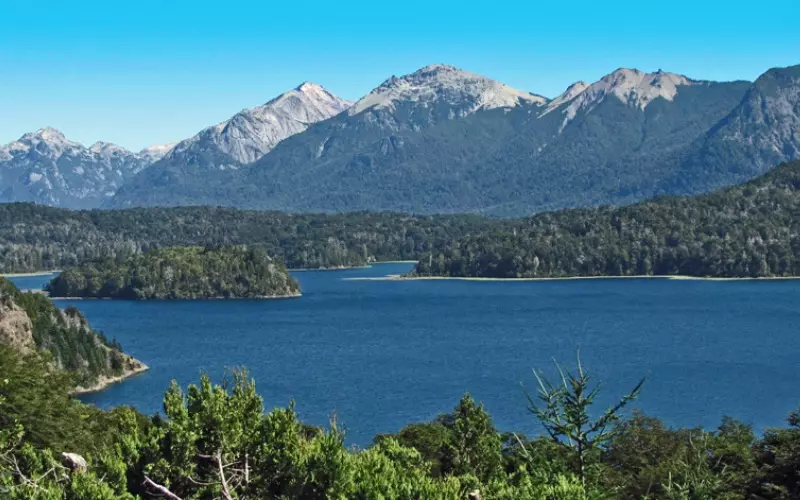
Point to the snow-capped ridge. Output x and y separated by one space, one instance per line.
448 84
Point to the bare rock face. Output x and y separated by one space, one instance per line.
45 167
765 128
66 326
252 133
631 86
16 329
74 462
219 151
443 85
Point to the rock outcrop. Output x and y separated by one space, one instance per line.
30 322
16 329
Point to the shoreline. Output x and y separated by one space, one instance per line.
345 268
398 277
106 382
258 297
29 275
333 268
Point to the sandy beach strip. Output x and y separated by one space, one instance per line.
29 275
398 277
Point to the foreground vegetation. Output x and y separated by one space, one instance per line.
215 441
750 230
179 273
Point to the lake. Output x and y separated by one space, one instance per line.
382 354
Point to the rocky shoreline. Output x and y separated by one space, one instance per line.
104 382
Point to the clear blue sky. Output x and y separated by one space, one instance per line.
143 72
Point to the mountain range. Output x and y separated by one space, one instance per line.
46 167
441 140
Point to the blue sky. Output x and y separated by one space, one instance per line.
144 72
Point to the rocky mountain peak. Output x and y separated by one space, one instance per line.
639 88
47 141
571 93
47 134
252 133
631 86
438 68
46 167
155 153
307 103
311 88
764 128
443 84
107 149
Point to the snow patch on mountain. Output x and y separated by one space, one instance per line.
447 84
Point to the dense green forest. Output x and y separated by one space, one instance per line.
70 343
36 238
216 441
752 230
745 231
179 273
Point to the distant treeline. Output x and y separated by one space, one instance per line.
35 238
750 230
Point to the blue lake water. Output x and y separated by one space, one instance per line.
382 354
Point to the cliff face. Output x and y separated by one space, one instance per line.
16 329
30 322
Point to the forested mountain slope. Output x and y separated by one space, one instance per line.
748 230
443 140
752 230
763 131
439 140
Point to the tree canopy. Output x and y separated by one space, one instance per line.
179 273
